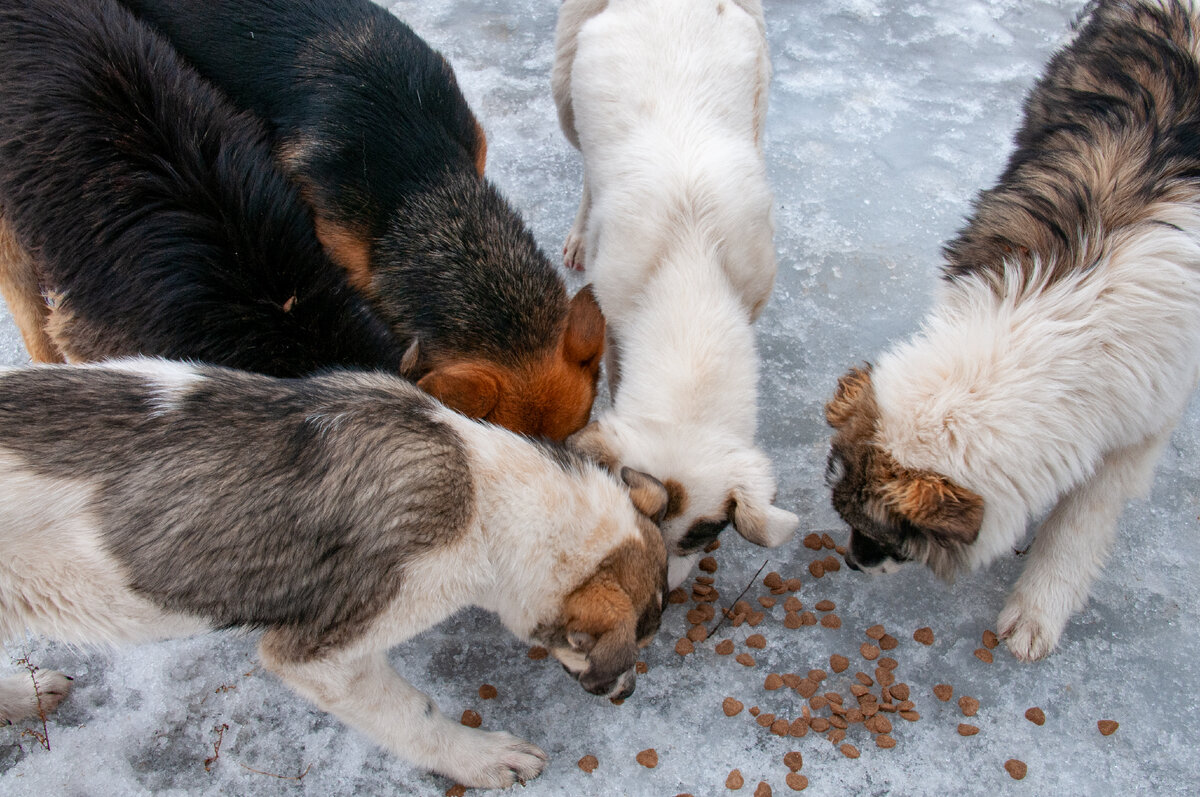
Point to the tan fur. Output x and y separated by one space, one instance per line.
20 285
349 248
481 150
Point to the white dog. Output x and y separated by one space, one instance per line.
1065 343
666 100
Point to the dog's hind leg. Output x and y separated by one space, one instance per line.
32 694
364 691
19 283
575 250
1070 550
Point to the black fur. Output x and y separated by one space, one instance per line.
370 120
155 208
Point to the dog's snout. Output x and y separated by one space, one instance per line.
851 562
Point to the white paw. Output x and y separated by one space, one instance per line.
497 760
19 698
574 256
1030 632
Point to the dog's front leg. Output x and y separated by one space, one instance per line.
363 691
575 249
1070 549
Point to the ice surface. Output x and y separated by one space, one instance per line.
886 118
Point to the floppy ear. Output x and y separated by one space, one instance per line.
851 390
951 514
593 444
471 388
583 340
597 607
648 494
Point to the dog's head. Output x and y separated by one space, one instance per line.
705 494
549 395
618 608
896 514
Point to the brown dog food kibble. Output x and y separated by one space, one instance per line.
780 727
754 711
885 741
888 642
1107 727
817 675
819 724
899 691
806 688
884 677
816 569
969 705
864 679
457 790
698 615
697 633
825 606
648 758
831 621
767 602
724 647
684 646
849 750
828 542
799 727
869 651
705 580
773 682
796 781
754 618
808 618
967 730
924 635
876 632
772 580
712 546
471 719
537 653
735 780
765 720
1016 768
677 595
589 763
708 564
791 680
762 789
793 761
1036 716
487 692
888 663
984 655
836 736
745 659
838 663
792 620
756 641
990 640
793 585
642 668
792 604
944 692
813 542
732 707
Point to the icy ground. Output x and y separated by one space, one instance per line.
886 117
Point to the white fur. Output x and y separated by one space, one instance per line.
1057 397
666 101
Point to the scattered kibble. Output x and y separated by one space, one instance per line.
745 659
990 640
684 647
735 780
869 651
773 682
944 692
762 790
831 621
792 604
838 663
849 750
924 635
888 642
967 730
816 569
756 641
1036 716
457 790
876 632
471 719
969 706
487 692
793 761
537 653
648 758
724 647
773 580
825 606
1107 727
796 781
1016 768
984 655
813 542
589 763
708 564
732 707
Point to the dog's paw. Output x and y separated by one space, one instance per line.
19 698
497 760
574 256
1029 632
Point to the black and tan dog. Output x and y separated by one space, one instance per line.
369 120
340 514
150 211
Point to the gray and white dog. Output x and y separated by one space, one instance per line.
340 514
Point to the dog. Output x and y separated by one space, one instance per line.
1065 341
666 101
149 213
340 514
370 122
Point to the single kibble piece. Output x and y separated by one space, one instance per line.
792 620
793 761
792 604
969 705
1107 727
712 546
885 741
967 730
838 663
888 663
791 680
799 727
849 750
701 614
735 780
773 682
697 633
641 667
724 647
1036 716
457 790
741 607
756 641
876 632
825 606
754 618
817 675
836 736
471 719
869 651
828 542
819 724
796 781
808 618
589 763
677 595
816 569
944 692
708 564
864 679
762 789
990 640
684 647
745 659
924 635
984 655
806 688
792 585
754 711
911 716
537 653
487 692
1016 768
882 724
732 707
888 642
765 720
780 727
705 580
773 580
813 542
648 758
767 602
832 564
859 691
831 621
899 691
841 549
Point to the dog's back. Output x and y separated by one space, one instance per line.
369 120
153 210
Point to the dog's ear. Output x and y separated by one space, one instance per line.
852 389
471 388
648 494
583 340
410 363
951 514
593 444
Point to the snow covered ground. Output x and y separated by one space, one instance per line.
886 117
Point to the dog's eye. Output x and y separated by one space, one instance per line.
835 469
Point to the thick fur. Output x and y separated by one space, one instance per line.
1065 342
666 101
340 514
148 212
369 120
